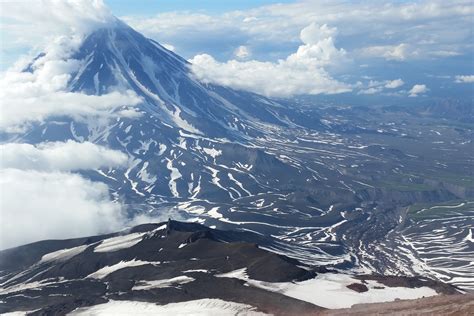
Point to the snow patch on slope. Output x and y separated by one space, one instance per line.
119 242
146 285
174 175
103 272
330 290
210 307
63 254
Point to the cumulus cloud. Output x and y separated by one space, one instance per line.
390 30
242 52
464 78
58 17
38 205
59 156
20 110
417 89
41 199
374 86
425 27
302 72
389 52
393 84
372 90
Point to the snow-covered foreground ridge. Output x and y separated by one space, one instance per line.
162 268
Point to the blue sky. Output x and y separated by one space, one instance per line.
147 7
8 55
366 48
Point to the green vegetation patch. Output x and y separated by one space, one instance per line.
441 210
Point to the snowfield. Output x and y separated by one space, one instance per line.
330 290
146 285
103 272
210 307
119 242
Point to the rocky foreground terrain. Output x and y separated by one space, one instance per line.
177 267
458 305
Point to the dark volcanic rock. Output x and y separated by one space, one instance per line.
452 305
411 282
125 266
358 287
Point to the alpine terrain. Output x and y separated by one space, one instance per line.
265 192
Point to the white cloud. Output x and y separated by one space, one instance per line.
38 205
374 86
445 53
395 30
393 84
389 52
424 29
28 97
242 52
169 47
20 110
417 89
59 156
40 197
370 90
313 33
302 72
464 79
38 22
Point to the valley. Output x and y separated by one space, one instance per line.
352 188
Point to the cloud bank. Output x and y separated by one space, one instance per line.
302 72
40 21
59 156
383 35
18 111
41 199
32 96
371 33
398 30
38 205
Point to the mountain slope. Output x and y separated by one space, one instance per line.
176 262
333 184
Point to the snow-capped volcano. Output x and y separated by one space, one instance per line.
186 139
116 56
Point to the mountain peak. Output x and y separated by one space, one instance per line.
117 55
